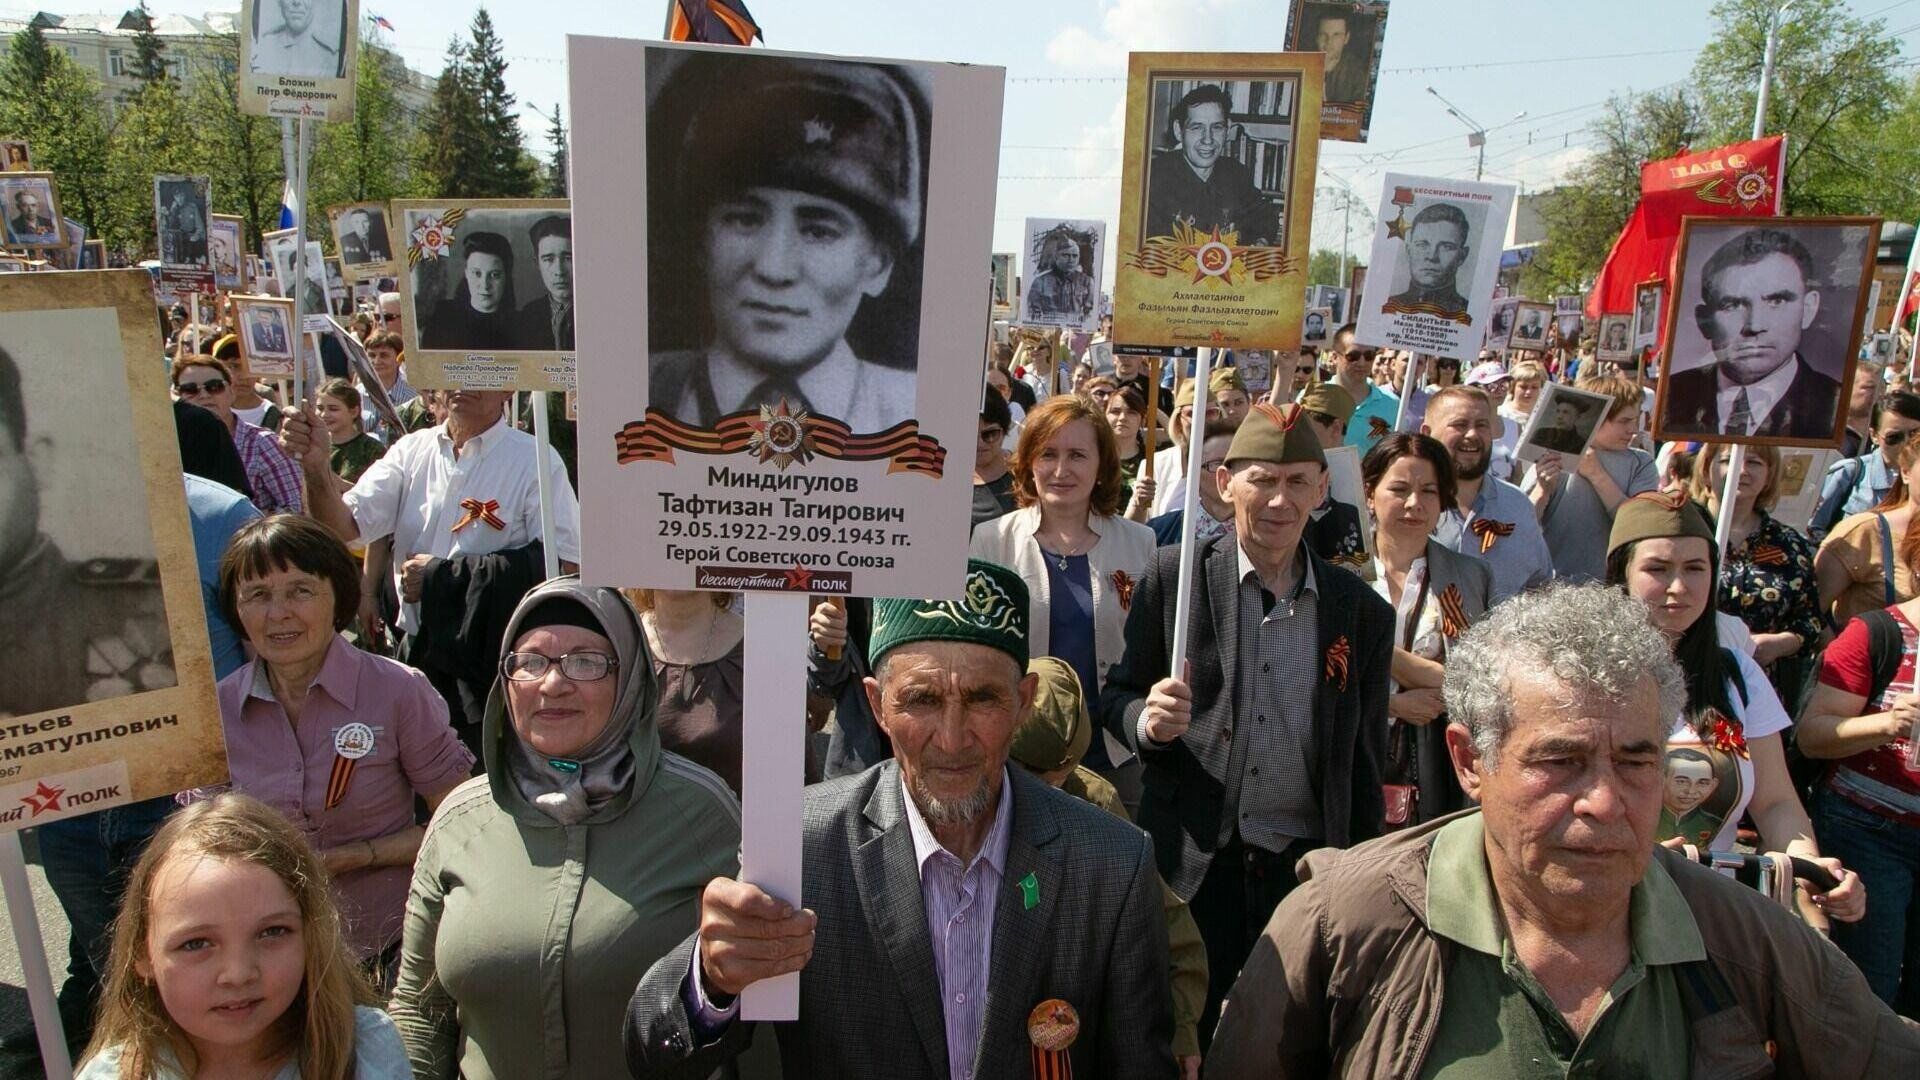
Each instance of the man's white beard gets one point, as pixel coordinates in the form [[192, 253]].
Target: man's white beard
[[947, 813]]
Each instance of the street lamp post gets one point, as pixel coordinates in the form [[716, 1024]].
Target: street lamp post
[[1476, 131]]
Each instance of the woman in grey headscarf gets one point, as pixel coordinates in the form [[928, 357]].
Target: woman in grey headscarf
[[544, 887]]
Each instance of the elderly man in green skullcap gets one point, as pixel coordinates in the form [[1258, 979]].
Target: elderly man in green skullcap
[[949, 899]]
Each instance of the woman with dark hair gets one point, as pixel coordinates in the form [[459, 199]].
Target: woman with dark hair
[[1435, 592], [1126, 410], [1079, 558], [1661, 551], [339, 740], [1855, 485], [481, 313]]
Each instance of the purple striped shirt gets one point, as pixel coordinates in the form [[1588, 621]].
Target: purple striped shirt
[[273, 475]]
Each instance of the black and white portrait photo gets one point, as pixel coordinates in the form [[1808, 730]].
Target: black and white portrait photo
[[1614, 342], [1345, 32], [15, 156], [30, 210], [1562, 422], [226, 245], [786, 213], [1317, 326], [488, 276], [1003, 279], [1567, 318], [1530, 322], [181, 213], [303, 38], [267, 337], [1221, 157], [360, 236], [313, 295], [1646, 314], [1437, 253], [1764, 328], [1064, 286]]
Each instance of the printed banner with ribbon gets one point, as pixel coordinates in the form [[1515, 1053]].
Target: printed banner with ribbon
[[780, 435]]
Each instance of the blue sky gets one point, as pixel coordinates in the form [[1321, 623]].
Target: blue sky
[[1556, 60]]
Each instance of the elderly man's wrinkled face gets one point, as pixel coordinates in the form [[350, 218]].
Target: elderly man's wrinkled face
[[1203, 136], [950, 709], [786, 273], [1572, 804], [28, 204], [1754, 315], [1273, 502]]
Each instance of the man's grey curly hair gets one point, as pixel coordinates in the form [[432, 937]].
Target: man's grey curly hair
[[1589, 638]]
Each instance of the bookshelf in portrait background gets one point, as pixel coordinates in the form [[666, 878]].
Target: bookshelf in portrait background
[[1260, 127]]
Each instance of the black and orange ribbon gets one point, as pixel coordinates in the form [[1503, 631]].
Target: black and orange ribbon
[[1337, 656], [657, 437], [1052, 1065], [340, 779], [1123, 589], [1768, 555], [480, 511], [1453, 612], [1378, 428], [1395, 307], [1489, 530]]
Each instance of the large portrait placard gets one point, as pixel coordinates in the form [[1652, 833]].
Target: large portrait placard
[[269, 344], [297, 57], [1438, 252], [227, 248], [111, 696], [1216, 199], [1351, 35], [1763, 329], [1065, 257], [797, 234], [487, 287]]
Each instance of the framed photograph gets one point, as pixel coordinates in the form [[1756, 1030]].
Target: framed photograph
[[488, 293], [31, 211], [15, 156], [268, 341], [1614, 342], [1797, 490], [336, 281], [1647, 298], [1500, 322], [1317, 327], [1065, 290], [1439, 250], [94, 255], [1003, 264], [108, 636], [226, 245], [313, 296], [1562, 422], [73, 254], [1334, 299], [1352, 36], [297, 57], [1356, 282], [1216, 198], [1763, 331], [1569, 319], [360, 236], [1256, 370], [182, 208], [1346, 488], [1531, 322], [853, 376], [1881, 351]]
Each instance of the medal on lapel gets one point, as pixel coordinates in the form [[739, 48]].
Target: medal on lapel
[[1051, 1028], [351, 743]]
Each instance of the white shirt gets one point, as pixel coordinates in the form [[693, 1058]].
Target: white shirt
[[1761, 396], [413, 494], [1169, 480]]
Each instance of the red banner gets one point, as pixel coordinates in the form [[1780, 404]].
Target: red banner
[[1746, 178]]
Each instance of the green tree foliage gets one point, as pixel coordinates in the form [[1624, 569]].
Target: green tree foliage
[[154, 135], [240, 152], [48, 100], [1833, 93], [448, 151], [510, 171], [364, 158], [557, 164], [149, 52], [470, 144], [1323, 268], [1583, 215]]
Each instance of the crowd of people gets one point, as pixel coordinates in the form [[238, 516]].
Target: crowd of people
[[484, 822]]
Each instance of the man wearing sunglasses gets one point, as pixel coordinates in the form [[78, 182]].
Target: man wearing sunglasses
[[1375, 407], [1856, 485]]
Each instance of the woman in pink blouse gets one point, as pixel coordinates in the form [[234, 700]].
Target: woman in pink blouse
[[337, 739]]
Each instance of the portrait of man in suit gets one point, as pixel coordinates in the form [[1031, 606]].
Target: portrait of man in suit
[[268, 336], [790, 209], [1347, 39], [1199, 181], [1759, 295], [29, 220], [1435, 248], [546, 322], [363, 237], [1532, 327], [949, 897]]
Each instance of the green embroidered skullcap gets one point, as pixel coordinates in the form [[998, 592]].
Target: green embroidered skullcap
[[991, 611], [1057, 732], [1221, 379], [1653, 515], [1276, 433], [1328, 399]]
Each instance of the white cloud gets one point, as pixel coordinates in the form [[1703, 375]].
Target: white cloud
[[1143, 26]]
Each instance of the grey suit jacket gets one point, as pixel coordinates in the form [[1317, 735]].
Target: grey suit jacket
[[869, 997], [1185, 782]]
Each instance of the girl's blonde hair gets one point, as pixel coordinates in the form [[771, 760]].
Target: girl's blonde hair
[[1701, 484], [318, 1028]]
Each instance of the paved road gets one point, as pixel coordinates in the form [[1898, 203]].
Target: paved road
[[14, 1013]]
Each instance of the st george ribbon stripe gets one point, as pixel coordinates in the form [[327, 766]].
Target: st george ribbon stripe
[[657, 436]]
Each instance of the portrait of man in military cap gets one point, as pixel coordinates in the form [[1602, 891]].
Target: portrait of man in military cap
[[303, 38], [180, 210], [81, 623], [1066, 257], [786, 217]]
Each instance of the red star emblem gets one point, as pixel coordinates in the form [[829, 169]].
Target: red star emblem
[[1212, 257], [799, 579], [44, 800]]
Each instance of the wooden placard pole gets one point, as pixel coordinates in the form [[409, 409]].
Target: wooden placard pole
[[1153, 413], [543, 440]]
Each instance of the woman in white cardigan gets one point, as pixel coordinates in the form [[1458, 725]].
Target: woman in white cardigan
[[1079, 558]]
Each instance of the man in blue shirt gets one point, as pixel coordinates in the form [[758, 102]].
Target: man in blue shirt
[[1375, 408], [1493, 520]]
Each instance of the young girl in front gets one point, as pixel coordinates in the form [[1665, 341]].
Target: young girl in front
[[228, 963]]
